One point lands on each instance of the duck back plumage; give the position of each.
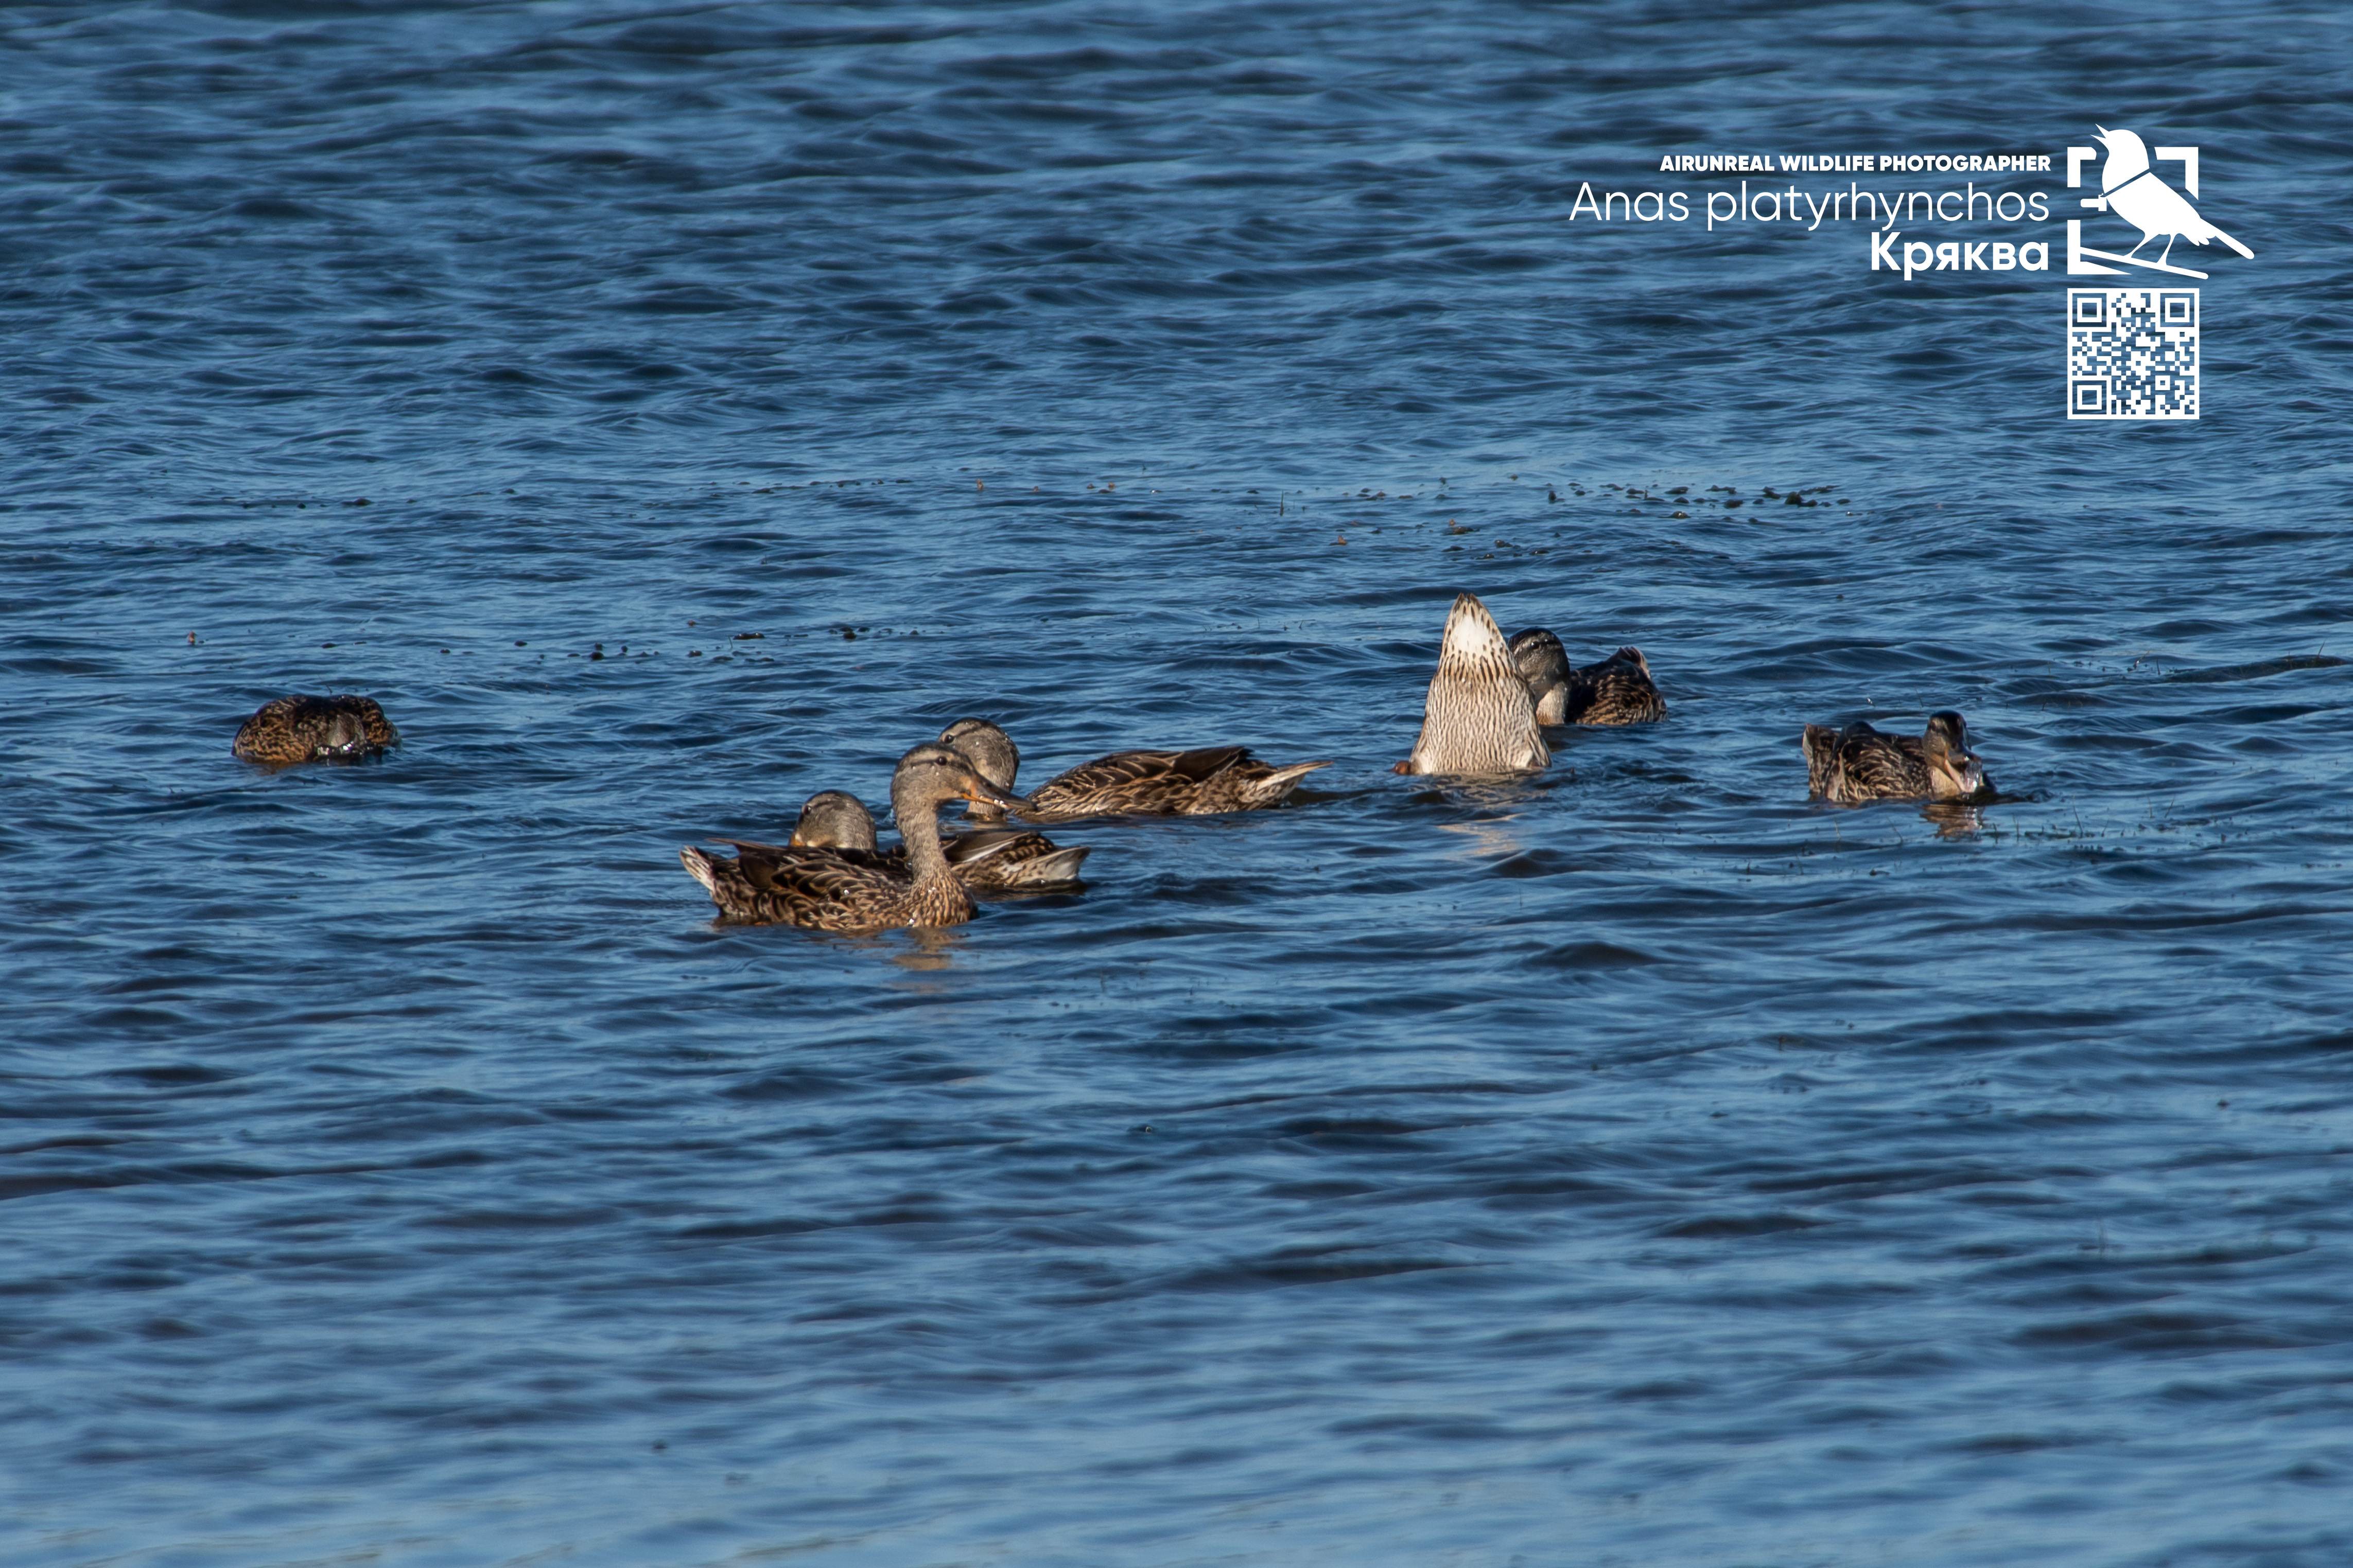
(823, 890)
(1617, 691)
(1197, 783)
(303, 729)
(1860, 764)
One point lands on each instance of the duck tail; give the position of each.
(1282, 781)
(698, 867)
(1821, 743)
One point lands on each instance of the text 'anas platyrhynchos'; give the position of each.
(992, 861)
(1479, 718)
(1860, 764)
(1197, 783)
(1617, 691)
(310, 728)
(818, 888)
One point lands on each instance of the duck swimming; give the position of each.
(1198, 782)
(312, 729)
(1617, 691)
(992, 861)
(1860, 764)
(829, 891)
(1479, 717)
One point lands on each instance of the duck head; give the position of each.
(356, 726)
(931, 775)
(990, 749)
(1542, 664)
(831, 819)
(346, 735)
(1953, 771)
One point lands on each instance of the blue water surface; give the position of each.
(1636, 1165)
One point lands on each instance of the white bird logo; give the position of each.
(2137, 194)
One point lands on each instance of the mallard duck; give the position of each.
(1479, 717)
(1617, 691)
(1198, 782)
(818, 888)
(1860, 764)
(992, 861)
(309, 729)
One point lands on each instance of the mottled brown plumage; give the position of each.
(1132, 784)
(1617, 691)
(312, 729)
(818, 888)
(992, 861)
(1860, 764)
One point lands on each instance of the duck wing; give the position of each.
(1196, 783)
(970, 851)
(1001, 859)
(1886, 767)
(1126, 782)
(1860, 764)
(760, 861)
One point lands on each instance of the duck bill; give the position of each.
(992, 800)
(1968, 776)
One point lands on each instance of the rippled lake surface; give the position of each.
(1633, 1166)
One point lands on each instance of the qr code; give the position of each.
(2132, 353)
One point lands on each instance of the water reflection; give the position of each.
(1954, 819)
(1492, 837)
(924, 948)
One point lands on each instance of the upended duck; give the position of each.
(314, 729)
(1617, 691)
(829, 891)
(994, 860)
(1479, 717)
(1198, 782)
(1860, 764)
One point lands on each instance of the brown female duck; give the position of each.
(311, 729)
(1617, 691)
(1479, 718)
(994, 860)
(818, 888)
(1860, 764)
(1131, 784)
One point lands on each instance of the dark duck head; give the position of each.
(1953, 771)
(1542, 664)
